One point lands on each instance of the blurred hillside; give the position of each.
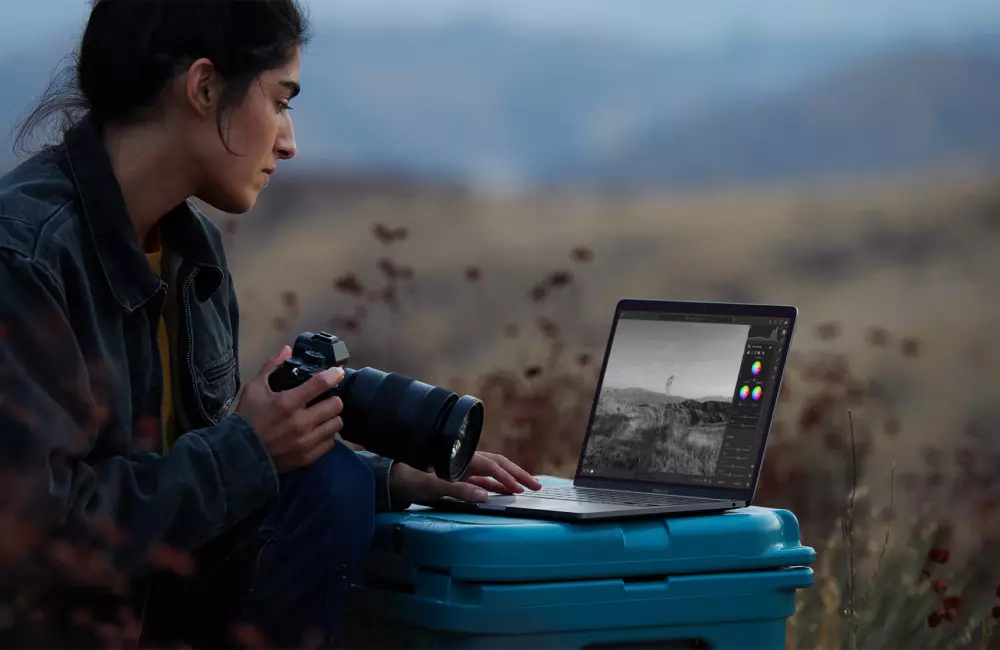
(478, 104)
(903, 111)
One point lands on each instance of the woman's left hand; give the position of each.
(487, 473)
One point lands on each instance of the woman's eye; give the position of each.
(283, 106)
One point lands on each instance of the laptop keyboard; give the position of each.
(614, 497)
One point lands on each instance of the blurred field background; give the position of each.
(478, 182)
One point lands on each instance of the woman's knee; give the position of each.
(345, 486)
(318, 536)
(318, 533)
(335, 496)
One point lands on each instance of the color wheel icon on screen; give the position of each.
(744, 392)
(757, 392)
(756, 368)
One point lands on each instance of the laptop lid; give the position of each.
(685, 398)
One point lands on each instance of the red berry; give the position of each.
(996, 611)
(953, 602)
(950, 615)
(998, 591)
(926, 573)
(934, 619)
(940, 586)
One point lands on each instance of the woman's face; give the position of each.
(259, 133)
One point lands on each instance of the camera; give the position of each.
(388, 413)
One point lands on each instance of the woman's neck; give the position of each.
(153, 178)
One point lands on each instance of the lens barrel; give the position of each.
(407, 420)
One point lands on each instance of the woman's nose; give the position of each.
(284, 146)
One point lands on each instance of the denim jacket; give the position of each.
(80, 375)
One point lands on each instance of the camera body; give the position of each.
(390, 414)
(311, 355)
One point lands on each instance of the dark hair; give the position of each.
(131, 48)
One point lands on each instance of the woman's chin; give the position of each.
(233, 202)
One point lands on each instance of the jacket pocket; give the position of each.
(217, 386)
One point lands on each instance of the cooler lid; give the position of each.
(474, 547)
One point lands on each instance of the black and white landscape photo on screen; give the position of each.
(665, 400)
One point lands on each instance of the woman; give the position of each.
(122, 413)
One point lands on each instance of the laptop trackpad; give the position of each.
(498, 502)
(532, 502)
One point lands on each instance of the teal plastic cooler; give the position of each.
(445, 580)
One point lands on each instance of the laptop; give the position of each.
(684, 404)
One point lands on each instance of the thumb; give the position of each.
(275, 362)
(464, 491)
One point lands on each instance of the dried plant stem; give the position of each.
(986, 633)
(888, 532)
(847, 528)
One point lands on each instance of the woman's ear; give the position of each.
(200, 87)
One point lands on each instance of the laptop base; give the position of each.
(538, 507)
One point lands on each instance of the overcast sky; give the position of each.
(677, 23)
(705, 358)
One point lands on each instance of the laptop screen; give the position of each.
(685, 398)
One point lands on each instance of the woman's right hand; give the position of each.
(294, 435)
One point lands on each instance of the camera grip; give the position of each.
(285, 377)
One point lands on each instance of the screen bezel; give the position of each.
(680, 308)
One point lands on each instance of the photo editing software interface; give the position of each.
(685, 398)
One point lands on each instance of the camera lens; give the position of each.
(460, 437)
(412, 422)
(392, 415)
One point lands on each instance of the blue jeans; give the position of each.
(286, 572)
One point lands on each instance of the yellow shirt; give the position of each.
(163, 343)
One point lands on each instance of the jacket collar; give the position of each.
(123, 261)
